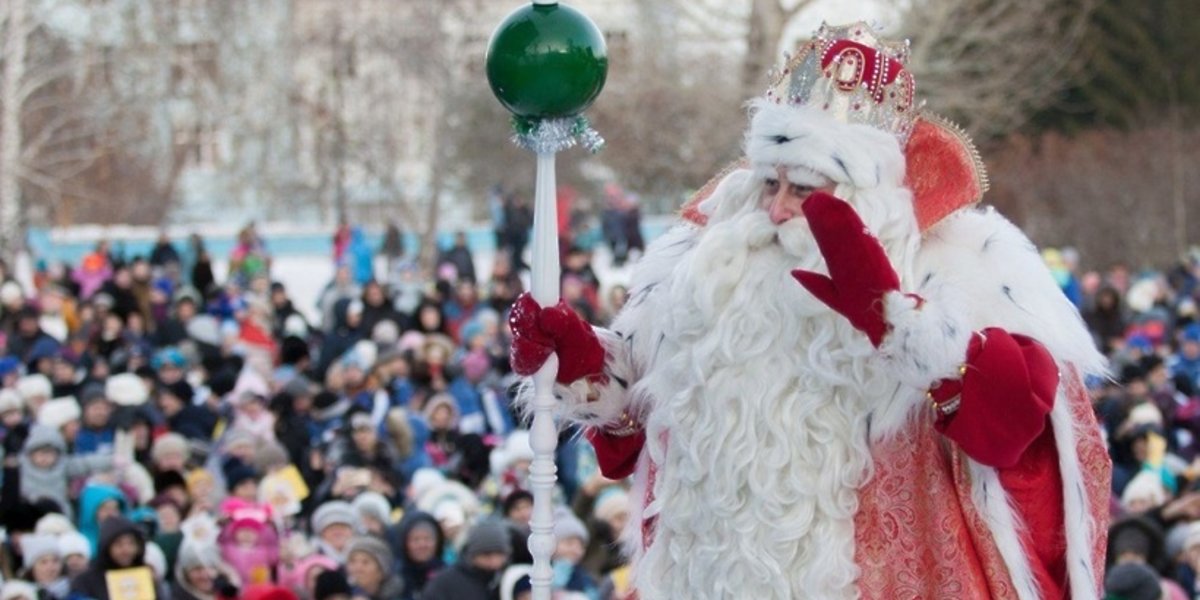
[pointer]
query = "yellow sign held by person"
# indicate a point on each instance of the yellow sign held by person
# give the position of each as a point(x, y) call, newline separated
point(131, 584)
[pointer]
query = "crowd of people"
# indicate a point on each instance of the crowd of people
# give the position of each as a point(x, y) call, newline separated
point(1147, 324)
point(168, 435)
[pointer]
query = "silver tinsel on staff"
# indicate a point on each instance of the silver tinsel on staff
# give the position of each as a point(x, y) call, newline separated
point(550, 136)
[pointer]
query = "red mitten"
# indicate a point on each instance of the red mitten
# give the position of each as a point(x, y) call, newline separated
point(1006, 393)
point(859, 270)
point(617, 455)
point(537, 332)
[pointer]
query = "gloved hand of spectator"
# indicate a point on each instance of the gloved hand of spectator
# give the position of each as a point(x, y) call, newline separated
point(14, 442)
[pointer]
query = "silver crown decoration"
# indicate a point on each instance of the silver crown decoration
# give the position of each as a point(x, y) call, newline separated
point(853, 75)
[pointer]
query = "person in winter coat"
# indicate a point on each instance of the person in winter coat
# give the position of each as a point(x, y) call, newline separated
point(459, 255)
point(46, 469)
point(377, 308)
point(360, 256)
point(342, 288)
point(1106, 319)
point(122, 546)
point(200, 574)
point(476, 575)
point(371, 568)
point(97, 503)
point(419, 542)
point(44, 566)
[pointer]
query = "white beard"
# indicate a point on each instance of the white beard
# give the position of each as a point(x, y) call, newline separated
point(763, 393)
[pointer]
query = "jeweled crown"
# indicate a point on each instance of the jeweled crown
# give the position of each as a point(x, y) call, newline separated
point(850, 73)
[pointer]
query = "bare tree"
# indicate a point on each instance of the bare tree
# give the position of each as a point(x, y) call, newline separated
point(1115, 195)
point(759, 26)
point(74, 90)
point(16, 32)
point(989, 64)
point(389, 92)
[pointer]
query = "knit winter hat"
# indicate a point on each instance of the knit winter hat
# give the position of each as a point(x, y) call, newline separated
point(10, 400)
point(11, 292)
point(194, 553)
point(34, 547)
point(9, 364)
point(486, 537)
point(18, 590)
point(90, 393)
point(377, 550)
point(236, 473)
point(156, 560)
point(59, 412)
point(333, 513)
point(41, 436)
point(567, 525)
point(54, 524)
point(271, 456)
point(34, 386)
point(126, 389)
point(374, 505)
point(1132, 581)
point(330, 584)
point(72, 543)
point(170, 443)
point(610, 503)
point(425, 479)
point(299, 387)
point(1144, 486)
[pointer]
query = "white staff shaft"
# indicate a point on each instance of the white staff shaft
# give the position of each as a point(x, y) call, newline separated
point(543, 433)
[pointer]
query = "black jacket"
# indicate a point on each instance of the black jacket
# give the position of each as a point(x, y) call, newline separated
point(91, 583)
point(463, 582)
point(417, 575)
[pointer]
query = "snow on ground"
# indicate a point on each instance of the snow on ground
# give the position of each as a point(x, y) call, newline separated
point(301, 255)
point(305, 276)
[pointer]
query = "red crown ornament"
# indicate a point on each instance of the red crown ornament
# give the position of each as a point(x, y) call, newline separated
point(854, 76)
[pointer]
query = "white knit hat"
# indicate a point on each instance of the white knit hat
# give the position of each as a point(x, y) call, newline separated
point(59, 412)
point(73, 542)
point(611, 502)
point(156, 560)
point(374, 505)
point(18, 590)
point(425, 479)
point(10, 292)
point(333, 513)
point(1145, 413)
point(34, 386)
point(34, 547)
point(1144, 486)
point(170, 443)
point(449, 513)
point(54, 524)
point(567, 525)
point(10, 400)
point(516, 447)
point(126, 389)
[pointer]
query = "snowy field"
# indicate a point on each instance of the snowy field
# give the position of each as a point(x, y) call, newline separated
point(301, 255)
point(306, 276)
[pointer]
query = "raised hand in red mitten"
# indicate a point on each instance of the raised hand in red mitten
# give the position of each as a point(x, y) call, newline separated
point(859, 270)
point(537, 332)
